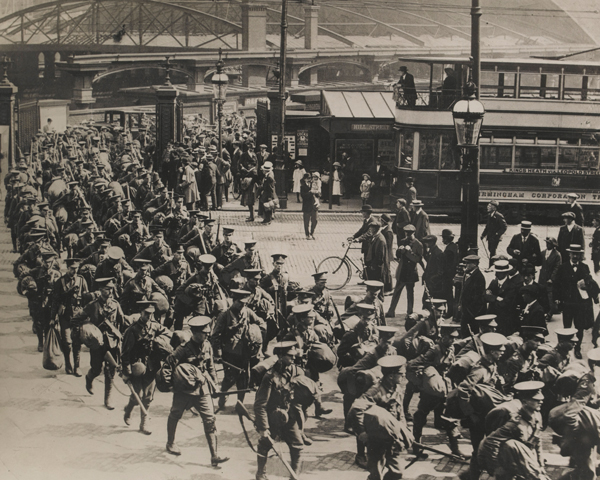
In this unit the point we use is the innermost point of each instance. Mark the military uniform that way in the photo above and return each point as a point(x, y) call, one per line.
point(68, 301)
point(199, 354)
point(136, 290)
point(137, 348)
point(275, 414)
point(106, 314)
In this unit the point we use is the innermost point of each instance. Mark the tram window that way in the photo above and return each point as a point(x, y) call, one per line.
point(578, 159)
point(406, 149)
point(497, 84)
point(496, 158)
point(450, 156)
point(535, 157)
point(429, 151)
point(530, 85)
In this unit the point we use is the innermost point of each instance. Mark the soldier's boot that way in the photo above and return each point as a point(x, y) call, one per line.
point(454, 448)
point(40, 334)
point(67, 355)
point(319, 410)
point(128, 411)
point(145, 423)
point(108, 386)
point(361, 457)
point(295, 460)
point(89, 382)
point(212, 445)
point(420, 420)
point(171, 428)
point(261, 462)
point(76, 371)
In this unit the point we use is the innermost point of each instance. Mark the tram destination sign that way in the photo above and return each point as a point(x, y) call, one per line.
point(552, 172)
point(535, 196)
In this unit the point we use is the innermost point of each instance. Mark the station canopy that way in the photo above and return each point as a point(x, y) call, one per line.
point(419, 26)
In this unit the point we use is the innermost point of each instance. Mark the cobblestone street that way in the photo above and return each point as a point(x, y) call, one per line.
point(51, 428)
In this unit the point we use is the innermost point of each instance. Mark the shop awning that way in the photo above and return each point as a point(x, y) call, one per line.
point(358, 104)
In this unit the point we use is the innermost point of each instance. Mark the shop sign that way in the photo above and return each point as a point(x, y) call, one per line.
point(368, 127)
point(535, 196)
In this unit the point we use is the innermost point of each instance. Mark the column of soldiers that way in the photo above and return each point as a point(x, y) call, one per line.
point(156, 295)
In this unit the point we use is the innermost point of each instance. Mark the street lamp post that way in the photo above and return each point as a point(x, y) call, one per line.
point(468, 117)
point(220, 80)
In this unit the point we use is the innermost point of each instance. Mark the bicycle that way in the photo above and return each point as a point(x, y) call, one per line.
point(339, 269)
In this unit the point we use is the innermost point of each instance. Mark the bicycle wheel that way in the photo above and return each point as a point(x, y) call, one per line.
point(339, 272)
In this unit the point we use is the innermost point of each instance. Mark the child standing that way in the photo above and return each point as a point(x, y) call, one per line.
point(297, 177)
point(365, 188)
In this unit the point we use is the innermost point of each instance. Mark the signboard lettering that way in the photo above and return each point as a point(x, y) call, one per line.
point(534, 196)
point(367, 127)
point(551, 171)
point(290, 140)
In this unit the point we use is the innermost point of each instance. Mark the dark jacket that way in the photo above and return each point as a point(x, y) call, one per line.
point(534, 316)
point(433, 276)
point(566, 238)
point(549, 268)
point(506, 308)
point(309, 200)
point(408, 260)
point(376, 261)
point(495, 228)
point(530, 250)
point(472, 303)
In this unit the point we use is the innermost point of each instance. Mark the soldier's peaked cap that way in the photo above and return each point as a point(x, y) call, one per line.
point(288, 346)
point(392, 362)
point(530, 389)
point(450, 329)
point(566, 333)
point(115, 253)
point(146, 305)
point(200, 322)
point(366, 306)
point(489, 318)
point(239, 293)
point(302, 309)
point(493, 340)
point(594, 355)
point(253, 272)
point(387, 329)
point(207, 259)
point(373, 284)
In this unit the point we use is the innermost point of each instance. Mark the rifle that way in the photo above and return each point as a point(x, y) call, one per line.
point(111, 360)
point(218, 229)
point(475, 344)
point(456, 458)
point(232, 392)
point(242, 412)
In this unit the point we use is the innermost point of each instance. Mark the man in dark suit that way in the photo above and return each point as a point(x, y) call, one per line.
point(407, 83)
point(494, 229)
point(379, 176)
point(310, 207)
point(595, 244)
point(388, 234)
point(409, 255)
point(502, 295)
point(420, 220)
point(367, 212)
point(401, 219)
point(574, 291)
point(551, 260)
point(532, 313)
point(569, 234)
point(376, 264)
point(541, 294)
point(433, 276)
point(576, 208)
point(525, 247)
point(450, 261)
point(471, 303)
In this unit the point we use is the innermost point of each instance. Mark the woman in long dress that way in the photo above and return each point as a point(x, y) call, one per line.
point(337, 182)
point(299, 172)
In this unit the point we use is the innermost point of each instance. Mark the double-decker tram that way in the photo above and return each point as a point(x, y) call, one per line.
point(540, 138)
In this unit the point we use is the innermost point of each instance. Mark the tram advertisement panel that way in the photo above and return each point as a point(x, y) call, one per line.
point(535, 196)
